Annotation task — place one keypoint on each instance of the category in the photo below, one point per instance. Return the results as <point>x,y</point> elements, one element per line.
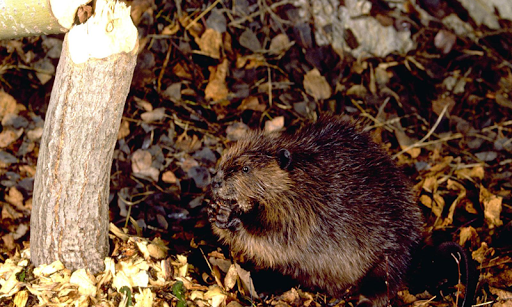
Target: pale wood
<point>36,17</point>
<point>69,220</point>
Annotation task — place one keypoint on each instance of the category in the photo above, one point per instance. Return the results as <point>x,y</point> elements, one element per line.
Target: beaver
<point>325,205</point>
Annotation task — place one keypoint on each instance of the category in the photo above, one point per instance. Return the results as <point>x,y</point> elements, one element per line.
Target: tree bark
<point>36,17</point>
<point>69,220</point>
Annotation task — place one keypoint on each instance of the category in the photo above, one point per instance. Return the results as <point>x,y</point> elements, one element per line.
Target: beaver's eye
<point>245,169</point>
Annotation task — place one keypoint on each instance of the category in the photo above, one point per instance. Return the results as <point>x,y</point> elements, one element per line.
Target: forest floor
<point>206,73</point>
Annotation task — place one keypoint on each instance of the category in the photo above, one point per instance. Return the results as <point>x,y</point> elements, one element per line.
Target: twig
<point>417,144</point>
<point>457,260</point>
<point>202,15</point>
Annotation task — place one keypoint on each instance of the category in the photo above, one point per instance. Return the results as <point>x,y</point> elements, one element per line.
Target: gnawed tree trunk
<point>69,220</point>
<point>36,17</point>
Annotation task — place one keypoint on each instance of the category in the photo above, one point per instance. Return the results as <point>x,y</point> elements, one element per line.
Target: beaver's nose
<point>216,182</point>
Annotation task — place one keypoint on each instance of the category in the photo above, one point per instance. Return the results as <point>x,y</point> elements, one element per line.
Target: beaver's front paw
<point>223,216</point>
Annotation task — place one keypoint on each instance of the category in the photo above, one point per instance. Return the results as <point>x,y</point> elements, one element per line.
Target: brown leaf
<point>466,173</point>
<point>15,198</point>
<point>7,104</point>
<point>252,103</point>
<point>8,136</point>
<point>216,88</point>
<point>492,207</point>
<point>124,130</point>
<point>141,165</point>
<point>231,277</point>
<point>439,104</point>
<point>468,234</point>
<point>169,177</point>
<point>156,115</point>
<point>275,124</point>
<point>245,278</point>
<point>444,41</point>
<point>280,43</point>
<point>316,85</point>
<point>186,143</point>
<point>210,43</point>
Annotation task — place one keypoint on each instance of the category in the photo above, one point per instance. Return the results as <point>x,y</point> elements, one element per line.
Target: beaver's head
<point>253,171</point>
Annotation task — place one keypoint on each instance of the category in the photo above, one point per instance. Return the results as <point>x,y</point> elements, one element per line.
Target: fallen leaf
<point>144,298</point>
<point>216,88</point>
<point>275,124</point>
<point>169,177</point>
<point>444,41</point>
<point>35,134</point>
<point>492,207</point>
<point>85,281</point>
<point>466,173</point>
<point>141,165</point>
<point>252,103</point>
<point>210,43</point>
<point>236,131</point>
<point>215,296</point>
<point>156,115</point>
<point>245,278</point>
<point>15,198</point>
<point>316,85</point>
<point>8,136</point>
<point>279,44</point>
<point>124,130</point>
<point>7,104</point>
<point>481,253</point>
<point>231,278</point>
<point>468,234</point>
<point>249,40</point>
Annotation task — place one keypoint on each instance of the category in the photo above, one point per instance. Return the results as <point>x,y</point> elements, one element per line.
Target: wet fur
<point>325,205</point>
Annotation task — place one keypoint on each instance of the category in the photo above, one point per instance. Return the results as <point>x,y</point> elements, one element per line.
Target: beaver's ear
<point>284,158</point>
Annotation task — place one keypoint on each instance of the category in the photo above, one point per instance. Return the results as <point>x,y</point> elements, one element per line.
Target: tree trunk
<point>36,17</point>
<point>69,220</point>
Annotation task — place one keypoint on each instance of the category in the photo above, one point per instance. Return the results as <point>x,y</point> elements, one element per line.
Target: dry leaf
<point>35,134</point>
<point>231,277</point>
<point>156,115</point>
<point>280,43</point>
<point>252,103</point>
<point>210,43</point>
<point>169,177</point>
<point>141,165</point>
<point>468,234</point>
<point>215,296</point>
<point>405,142</point>
<point>245,278</point>
<point>316,85</point>
<point>186,143</point>
<point>439,104</point>
<point>466,173</point>
<point>275,124</point>
<point>144,298</point>
<point>124,130</point>
<point>216,88</point>
<point>430,184</point>
<point>251,61</point>
<point>7,104</point>
<point>15,198</point>
<point>445,40</point>
<point>492,207</point>
<point>85,281</point>
<point>236,131</point>
<point>480,254</point>
<point>181,71</point>
<point>8,136</point>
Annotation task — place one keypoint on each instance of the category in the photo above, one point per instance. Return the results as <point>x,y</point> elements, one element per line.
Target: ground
<point>208,72</point>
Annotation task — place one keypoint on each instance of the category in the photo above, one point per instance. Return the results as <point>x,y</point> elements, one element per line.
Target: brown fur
<point>325,205</point>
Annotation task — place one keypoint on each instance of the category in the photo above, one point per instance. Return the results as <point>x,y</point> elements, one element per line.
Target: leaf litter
<point>208,72</point>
